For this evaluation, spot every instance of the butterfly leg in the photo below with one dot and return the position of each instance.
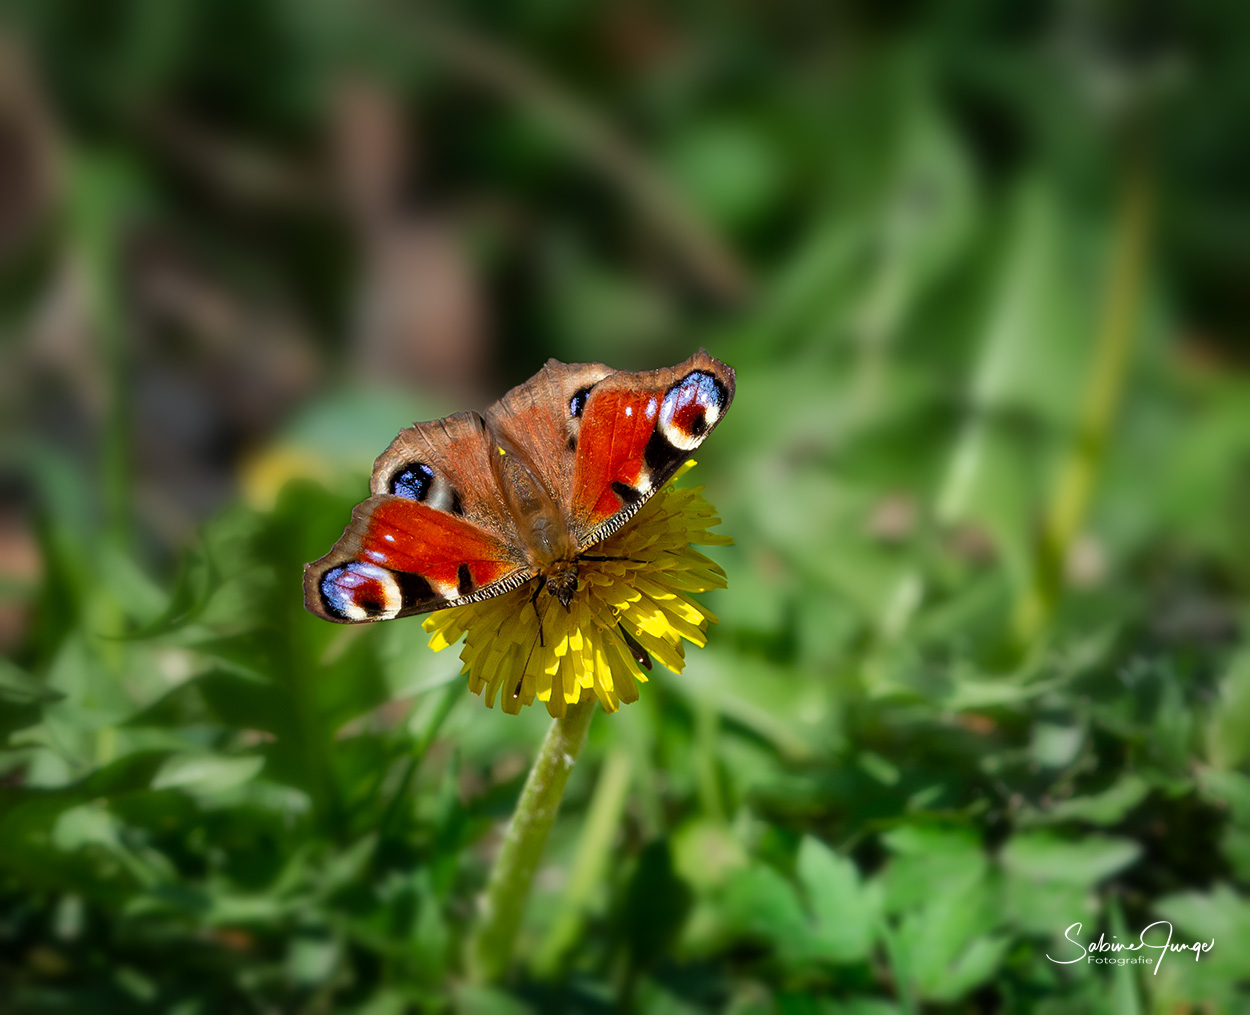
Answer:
(516, 691)
(589, 556)
(641, 655)
(538, 587)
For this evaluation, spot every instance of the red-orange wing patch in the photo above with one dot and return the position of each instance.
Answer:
(611, 471)
(399, 557)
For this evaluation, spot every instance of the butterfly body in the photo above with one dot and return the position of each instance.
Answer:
(474, 505)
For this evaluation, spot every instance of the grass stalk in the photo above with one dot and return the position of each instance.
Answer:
(1079, 470)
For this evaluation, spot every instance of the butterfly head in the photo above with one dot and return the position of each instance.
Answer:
(561, 582)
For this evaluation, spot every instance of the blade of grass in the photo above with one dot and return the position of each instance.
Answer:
(1112, 354)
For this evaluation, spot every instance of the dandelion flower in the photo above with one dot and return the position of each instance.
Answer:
(633, 603)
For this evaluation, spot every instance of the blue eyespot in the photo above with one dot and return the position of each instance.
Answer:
(690, 409)
(360, 591)
(577, 404)
(413, 482)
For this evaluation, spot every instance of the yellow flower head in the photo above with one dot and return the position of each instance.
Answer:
(522, 650)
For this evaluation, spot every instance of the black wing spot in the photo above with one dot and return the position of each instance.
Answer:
(662, 457)
(371, 606)
(413, 588)
(464, 580)
(626, 492)
(457, 505)
(413, 481)
(572, 442)
(577, 404)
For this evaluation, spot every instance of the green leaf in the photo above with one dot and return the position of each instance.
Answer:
(1228, 736)
(926, 855)
(1045, 856)
(1222, 916)
(475, 999)
(760, 905)
(20, 688)
(311, 959)
(1222, 913)
(1230, 790)
(1056, 746)
(844, 909)
(861, 1006)
(206, 773)
(192, 592)
(707, 854)
(970, 969)
(947, 944)
(656, 904)
(1125, 997)
(1106, 808)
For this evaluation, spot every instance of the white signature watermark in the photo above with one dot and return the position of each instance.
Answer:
(1095, 953)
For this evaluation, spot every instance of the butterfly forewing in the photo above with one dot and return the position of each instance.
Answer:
(636, 431)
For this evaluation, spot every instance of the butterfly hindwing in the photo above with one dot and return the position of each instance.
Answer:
(400, 557)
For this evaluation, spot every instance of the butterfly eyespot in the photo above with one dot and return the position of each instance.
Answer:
(413, 481)
(577, 404)
(360, 591)
(690, 409)
(417, 481)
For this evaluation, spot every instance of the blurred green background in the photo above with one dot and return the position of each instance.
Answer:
(984, 272)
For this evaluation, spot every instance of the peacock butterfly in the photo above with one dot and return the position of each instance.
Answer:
(473, 505)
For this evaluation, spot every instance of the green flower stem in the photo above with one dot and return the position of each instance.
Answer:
(503, 904)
